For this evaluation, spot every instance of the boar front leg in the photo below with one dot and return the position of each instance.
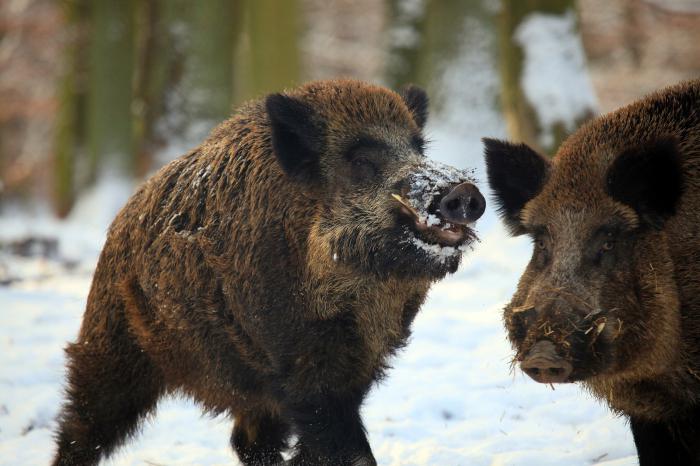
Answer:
(259, 437)
(670, 444)
(330, 433)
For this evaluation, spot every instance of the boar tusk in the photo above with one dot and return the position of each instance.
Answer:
(398, 198)
(401, 200)
(600, 327)
(524, 308)
(405, 203)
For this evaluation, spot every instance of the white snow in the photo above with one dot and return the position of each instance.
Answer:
(432, 220)
(555, 79)
(451, 399)
(440, 252)
(427, 183)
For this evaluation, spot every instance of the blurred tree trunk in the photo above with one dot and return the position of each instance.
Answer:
(418, 59)
(110, 130)
(272, 31)
(520, 114)
(215, 25)
(150, 81)
(425, 44)
(195, 78)
(406, 43)
(70, 119)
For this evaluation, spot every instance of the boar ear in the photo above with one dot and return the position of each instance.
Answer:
(417, 102)
(516, 174)
(297, 139)
(649, 179)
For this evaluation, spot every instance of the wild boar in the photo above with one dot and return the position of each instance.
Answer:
(270, 274)
(611, 296)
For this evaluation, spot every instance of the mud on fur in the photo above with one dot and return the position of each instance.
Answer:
(611, 297)
(269, 275)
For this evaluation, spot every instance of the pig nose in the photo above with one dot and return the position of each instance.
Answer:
(544, 365)
(463, 204)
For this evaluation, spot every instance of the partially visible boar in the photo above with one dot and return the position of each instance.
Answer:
(270, 274)
(611, 296)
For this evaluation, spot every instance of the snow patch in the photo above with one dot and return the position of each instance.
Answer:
(555, 79)
(436, 250)
(433, 220)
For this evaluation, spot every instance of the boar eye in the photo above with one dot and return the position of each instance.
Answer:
(541, 253)
(608, 242)
(364, 168)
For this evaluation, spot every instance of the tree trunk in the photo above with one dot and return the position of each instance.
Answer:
(70, 119)
(195, 78)
(268, 55)
(423, 56)
(523, 118)
(110, 130)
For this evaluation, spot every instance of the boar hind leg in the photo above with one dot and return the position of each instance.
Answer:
(111, 387)
(662, 443)
(258, 438)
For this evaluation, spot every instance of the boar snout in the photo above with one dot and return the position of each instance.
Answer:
(544, 365)
(463, 204)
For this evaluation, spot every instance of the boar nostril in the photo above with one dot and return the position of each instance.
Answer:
(463, 204)
(474, 204)
(555, 371)
(543, 364)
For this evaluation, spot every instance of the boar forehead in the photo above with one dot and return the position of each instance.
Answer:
(574, 203)
(398, 156)
(396, 137)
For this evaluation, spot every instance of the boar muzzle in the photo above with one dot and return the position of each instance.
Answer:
(544, 365)
(463, 204)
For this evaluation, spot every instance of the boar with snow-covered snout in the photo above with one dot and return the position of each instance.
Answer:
(611, 296)
(270, 274)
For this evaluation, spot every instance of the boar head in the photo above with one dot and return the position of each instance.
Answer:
(598, 299)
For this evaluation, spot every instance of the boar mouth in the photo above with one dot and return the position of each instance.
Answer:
(433, 229)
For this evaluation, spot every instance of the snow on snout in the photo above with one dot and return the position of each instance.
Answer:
(428, 182)
(431, 180)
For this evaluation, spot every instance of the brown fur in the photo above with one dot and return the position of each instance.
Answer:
(623, 306)
(228, 280)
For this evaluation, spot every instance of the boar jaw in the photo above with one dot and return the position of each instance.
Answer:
(445, 234)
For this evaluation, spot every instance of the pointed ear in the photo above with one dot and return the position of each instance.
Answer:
(297, 136)
(516, 174)
(417, 102)
(648, 178)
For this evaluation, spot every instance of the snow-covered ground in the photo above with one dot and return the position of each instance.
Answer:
(451, 399)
